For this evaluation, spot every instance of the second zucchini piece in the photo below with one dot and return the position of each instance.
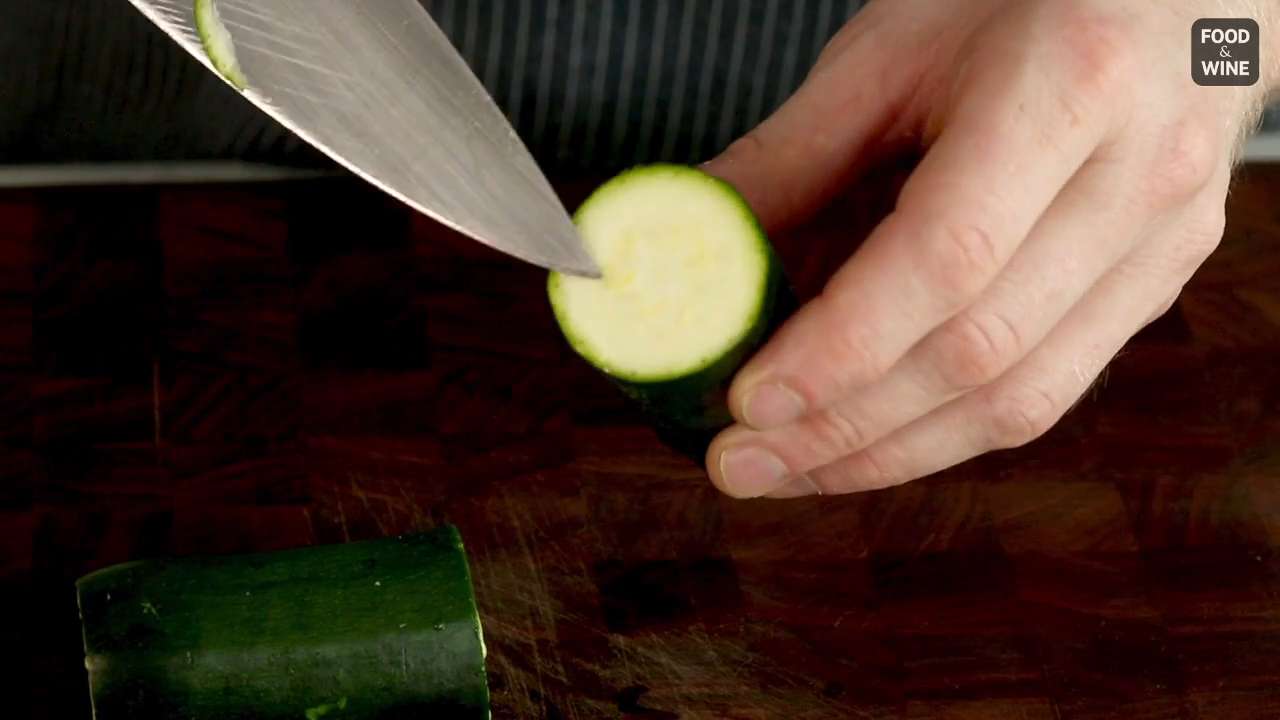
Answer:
(384, 628)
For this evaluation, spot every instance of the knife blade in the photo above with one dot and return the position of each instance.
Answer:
(378, 87)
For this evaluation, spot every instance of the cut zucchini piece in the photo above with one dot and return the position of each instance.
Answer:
(376, 629)
(689, 287)
(217, 42)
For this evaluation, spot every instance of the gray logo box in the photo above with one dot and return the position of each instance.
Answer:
(1224, 51)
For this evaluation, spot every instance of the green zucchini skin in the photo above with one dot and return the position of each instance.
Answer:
(217, 43)
(382, 629)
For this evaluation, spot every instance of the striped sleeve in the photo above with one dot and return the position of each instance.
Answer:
(601, 85)
(596, 84)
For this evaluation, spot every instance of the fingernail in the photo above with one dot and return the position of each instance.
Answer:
(796, 487)
(750, 471)
(770, 405)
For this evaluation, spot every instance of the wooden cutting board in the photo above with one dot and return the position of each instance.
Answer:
(236, 368)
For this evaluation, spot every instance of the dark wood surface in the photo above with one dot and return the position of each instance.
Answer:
(195, 370)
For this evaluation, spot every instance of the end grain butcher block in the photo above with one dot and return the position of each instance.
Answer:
(249, 368)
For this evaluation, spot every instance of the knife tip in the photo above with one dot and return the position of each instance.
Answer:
(583, 267)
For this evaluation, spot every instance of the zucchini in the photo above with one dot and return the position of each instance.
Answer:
(690, 287)
(379, 629)
(217, 42)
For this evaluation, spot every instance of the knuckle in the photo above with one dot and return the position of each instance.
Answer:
(960, 258)
(853, 354)
(843, 433)
(1184, 165)
(974, 350)
(856, 359)
(836, 46)
(1019, 414)
(1199, 246)
(1093, 48)
(744, 151)
(874, 470)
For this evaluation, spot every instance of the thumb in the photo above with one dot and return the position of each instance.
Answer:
(799, 158)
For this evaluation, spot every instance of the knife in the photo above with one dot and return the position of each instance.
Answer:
(378, 87)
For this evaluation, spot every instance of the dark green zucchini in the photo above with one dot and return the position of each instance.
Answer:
(379, 629)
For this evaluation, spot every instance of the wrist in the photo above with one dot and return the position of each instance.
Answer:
(1267, 13)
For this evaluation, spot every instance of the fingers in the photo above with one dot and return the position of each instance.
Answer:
(797, 159)
(1083, 234)
(1006, 152)
(1034, 395)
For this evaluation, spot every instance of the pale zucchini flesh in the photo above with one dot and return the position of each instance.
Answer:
(689, 288)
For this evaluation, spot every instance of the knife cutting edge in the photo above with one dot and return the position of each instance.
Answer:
(378, 87)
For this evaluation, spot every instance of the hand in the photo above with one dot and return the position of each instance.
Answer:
(1074, 179)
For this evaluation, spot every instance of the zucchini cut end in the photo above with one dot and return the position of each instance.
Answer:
(685, 275)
